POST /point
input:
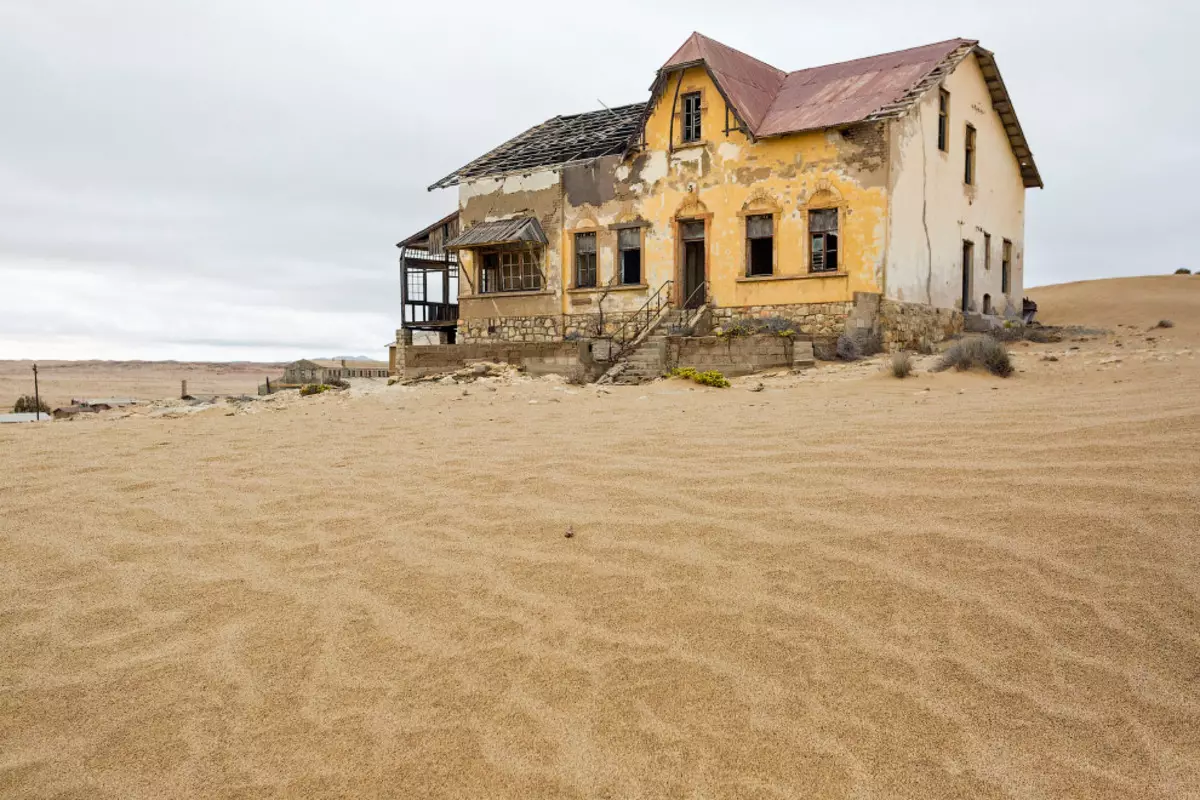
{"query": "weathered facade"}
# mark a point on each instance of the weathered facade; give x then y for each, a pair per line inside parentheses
(323, 371)
(891, 186)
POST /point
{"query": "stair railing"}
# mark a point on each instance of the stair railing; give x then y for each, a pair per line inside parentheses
(636, 323)
(699, 293)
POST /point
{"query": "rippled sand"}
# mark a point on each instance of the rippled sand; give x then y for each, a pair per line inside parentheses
(841, 586)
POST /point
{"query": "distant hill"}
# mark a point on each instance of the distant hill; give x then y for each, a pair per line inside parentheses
(1110, 302)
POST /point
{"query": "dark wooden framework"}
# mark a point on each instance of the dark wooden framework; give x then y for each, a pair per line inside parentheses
(426, 269)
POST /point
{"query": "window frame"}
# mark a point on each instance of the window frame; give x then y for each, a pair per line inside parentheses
(686, 134)
(969, 147)
(987, 252)
(772, 267)
(492, 279)
(943, 131)
(640, 250)
(1006, 252)
(811, 238)
(590, 258)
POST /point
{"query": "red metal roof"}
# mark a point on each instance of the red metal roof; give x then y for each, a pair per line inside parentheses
(749, 84)
(837, 94)
(770, 102)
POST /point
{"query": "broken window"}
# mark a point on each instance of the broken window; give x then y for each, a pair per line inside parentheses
(416, 285)
(1005, 266)
(760, 244)
(585, 260)
(987, 251)
(944, 120)
(691, 117)
(510, 271)
(629, 247)
(969, 171)
(823, 235)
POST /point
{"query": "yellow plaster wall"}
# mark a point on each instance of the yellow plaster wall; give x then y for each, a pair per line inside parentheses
(721, 179)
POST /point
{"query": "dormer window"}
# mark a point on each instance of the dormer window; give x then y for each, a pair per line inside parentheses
(691, 117)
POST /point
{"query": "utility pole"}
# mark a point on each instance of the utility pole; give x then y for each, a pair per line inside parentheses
(37, 398)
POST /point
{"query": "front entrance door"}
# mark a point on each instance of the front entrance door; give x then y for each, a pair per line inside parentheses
(693, 264)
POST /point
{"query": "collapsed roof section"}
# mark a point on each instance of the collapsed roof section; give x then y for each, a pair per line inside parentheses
(555, 143)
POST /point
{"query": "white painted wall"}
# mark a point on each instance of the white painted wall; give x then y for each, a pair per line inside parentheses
(927, 267)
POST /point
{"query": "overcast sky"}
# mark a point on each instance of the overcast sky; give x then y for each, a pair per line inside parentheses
(226, 179)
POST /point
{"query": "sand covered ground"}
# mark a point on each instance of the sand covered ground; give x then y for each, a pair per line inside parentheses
(61, 381)
(843, 585)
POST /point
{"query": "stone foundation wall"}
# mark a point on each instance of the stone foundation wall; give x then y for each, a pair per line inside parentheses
(738, 355)
(542, 328)
(915, 326)
(589, 325)
(821, 322)
(572, 359)
(811, 319)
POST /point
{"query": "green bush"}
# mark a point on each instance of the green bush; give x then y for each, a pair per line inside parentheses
(313, 388)
(1183, 271)
(901, 365)
(26, 404)
(978, 351)
(710, 378)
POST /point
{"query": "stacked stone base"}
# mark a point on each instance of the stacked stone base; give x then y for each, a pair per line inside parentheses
(541, 328)
(914, 326)
(890, 324)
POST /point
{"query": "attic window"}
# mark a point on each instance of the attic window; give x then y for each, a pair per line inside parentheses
(691, 117)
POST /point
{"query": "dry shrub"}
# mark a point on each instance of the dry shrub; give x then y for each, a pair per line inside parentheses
(26, 404)
(901, 364)
(978, 351)
(1165, 323)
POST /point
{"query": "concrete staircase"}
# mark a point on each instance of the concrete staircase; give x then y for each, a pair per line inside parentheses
(649, 359)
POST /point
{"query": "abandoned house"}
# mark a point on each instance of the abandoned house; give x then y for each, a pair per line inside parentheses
(323, 371)
(880, 197)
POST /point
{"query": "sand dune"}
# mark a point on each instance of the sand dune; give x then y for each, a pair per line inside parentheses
(841, 586)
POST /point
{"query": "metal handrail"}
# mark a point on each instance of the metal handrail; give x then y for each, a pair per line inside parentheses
(650, 309)
(701, 290)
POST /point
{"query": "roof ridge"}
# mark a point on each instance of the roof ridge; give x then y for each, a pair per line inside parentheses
(739, 52)
(958, 40)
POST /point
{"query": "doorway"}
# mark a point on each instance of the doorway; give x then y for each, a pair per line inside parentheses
(968, 262)
(692, 233)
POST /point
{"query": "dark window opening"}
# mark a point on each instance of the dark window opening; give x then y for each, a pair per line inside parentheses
(969, 170)
(691, 117)
(987, 251)
(943, 120)
(987, 304)
(629, 247)
(968, 264)
(585, 260)
(1006, 267)
(823, 236)
(760, 244)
